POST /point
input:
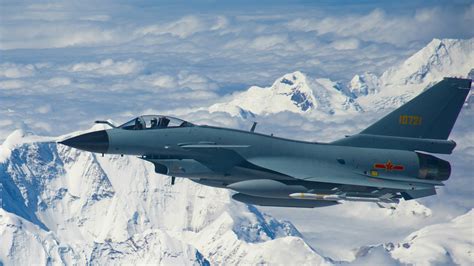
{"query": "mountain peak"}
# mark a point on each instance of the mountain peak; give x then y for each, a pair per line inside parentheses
(440, 58)
(297, 93)
(14, 139)
(364, 84)
(295, 86)
(293, 92)
(291, 79)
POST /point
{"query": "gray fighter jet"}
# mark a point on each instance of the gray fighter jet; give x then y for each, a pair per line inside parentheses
(384, 163)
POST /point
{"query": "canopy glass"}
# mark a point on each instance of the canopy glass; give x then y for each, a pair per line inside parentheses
(154, 122)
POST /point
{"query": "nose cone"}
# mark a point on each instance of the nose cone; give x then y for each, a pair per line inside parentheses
(97, 141)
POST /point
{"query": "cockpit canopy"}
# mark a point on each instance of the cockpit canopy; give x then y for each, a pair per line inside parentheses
(154, 122)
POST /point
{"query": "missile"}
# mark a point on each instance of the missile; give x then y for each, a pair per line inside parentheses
(338, 197)
(266, 188)
(288, 202)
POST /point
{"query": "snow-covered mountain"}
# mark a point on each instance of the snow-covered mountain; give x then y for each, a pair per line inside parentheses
(364, 84)
(296, 92)
(440, 58)
(400, 83)
(448, 243)
(61, 205)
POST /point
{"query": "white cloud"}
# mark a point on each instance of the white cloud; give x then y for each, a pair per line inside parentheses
(425, 15)
(221, 23)
(96, 18)
(268, 42)
(108, 67)
(195, 81)
(346, 44)
(58, 34)
(469, 14)
(12, 84)
(12, 70)
(164, 81)
(44, 109)
(181, 80)
(5, 122)
(380, 26)
(182, 28)
(58, 81)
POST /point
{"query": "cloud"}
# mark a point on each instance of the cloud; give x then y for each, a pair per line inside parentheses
(379, 26)
(268, 42)
(99, 56)
(44, 109)
(12, 70)
(12, 84)
(184, 27)
(346, 44)
(181, 80)
(96, 18)
(195, 81)
(108, 67)
(58, 81)
(164, 81)
(58, 34)
(221, 23)
(469, 14)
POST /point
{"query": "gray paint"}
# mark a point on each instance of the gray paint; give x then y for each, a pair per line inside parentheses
(381, 163)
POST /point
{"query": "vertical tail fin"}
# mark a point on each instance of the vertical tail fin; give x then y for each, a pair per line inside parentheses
(430, 115)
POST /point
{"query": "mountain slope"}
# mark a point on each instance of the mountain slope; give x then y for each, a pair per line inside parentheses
(364, 84)
(24, 243)
(297, 93)
(439, 59)
(76, 207)
(294, 92)
(448, 243)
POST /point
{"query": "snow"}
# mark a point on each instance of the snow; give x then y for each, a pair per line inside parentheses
(60, 205)
(82, 208)
(439, 59)
(17, 138)
(10, 142)
(449, 243)
(319, 97)
(293, 92)
(364, 84)
(446, 243)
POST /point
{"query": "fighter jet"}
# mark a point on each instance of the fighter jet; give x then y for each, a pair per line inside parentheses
(385, 162)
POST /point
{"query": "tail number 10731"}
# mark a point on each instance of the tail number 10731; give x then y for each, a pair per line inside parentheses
(413, 120)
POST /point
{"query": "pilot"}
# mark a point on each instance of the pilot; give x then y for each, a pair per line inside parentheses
(154, 122)
(138, 124)
(163, 122)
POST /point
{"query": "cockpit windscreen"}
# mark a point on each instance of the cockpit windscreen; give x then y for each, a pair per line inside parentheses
(154, 122)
